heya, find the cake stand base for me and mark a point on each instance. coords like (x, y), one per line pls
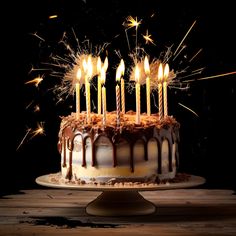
(118, 200)
(120, 203)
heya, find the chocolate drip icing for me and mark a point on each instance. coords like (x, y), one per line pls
(70, 129)
(64, 152)
(70, 146)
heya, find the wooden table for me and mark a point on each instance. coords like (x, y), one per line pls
(62, 212)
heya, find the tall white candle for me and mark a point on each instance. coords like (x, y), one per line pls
(166, 74)
(99, 87)
(137, 88)
(105, 66)
(88, 96)
(160, 78)
(118, 75)
(122, 85)
(118, 105)
(104, 109)
(147, 71)
(77, 92)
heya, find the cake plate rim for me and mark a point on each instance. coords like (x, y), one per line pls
(194, 181)
(119, 200)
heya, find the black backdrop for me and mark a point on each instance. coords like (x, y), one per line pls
(207, 141)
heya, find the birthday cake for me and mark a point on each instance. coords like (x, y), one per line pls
(93, 153)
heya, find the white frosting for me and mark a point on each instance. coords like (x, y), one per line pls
(104, 169)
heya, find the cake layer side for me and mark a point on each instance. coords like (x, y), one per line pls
(139, 153)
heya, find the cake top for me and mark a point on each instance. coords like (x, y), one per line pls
(127, 122)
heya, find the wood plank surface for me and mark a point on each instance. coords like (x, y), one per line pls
(62, 212)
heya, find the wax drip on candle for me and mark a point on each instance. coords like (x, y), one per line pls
(137, 88)
(77, 92)
(160, 78)
(147, 71)
(165, 78)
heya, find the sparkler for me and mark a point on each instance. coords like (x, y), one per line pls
(130, 23)
(66, 67)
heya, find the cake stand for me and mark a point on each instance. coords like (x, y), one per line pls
(120, 200)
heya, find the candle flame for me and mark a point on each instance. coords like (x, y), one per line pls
(146, 66)
(137, 74)
(35, 81)
(166, 72)
(160, 73)
(118, 73)
(103, 76)
(78, 75)
(122, 67)
(85, 65)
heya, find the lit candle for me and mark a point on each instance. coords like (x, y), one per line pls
(105, 66)
(147, 71)
(166, 74)
(160, 78)
(88, 77)
(118, 75)
(77, 92)
(137, 88)
(122, 68)
(103, 79)
(99, 64)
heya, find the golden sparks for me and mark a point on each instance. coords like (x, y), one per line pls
(38, 130)
(148, 38)
(184, 37)
(131, 22)
(35, 81)
(52, 16)
(188, 109)
(211, 77)
(25, 136)
(36, 108)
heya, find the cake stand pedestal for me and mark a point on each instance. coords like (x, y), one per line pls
(120, 203)
(119, 200)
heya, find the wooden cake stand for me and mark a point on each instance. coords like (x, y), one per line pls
(120, 200)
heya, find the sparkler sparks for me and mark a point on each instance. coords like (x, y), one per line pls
(131, 22)
(148, 38)
(52, 16)
(65, 67)
(35, 81)
(32, 133)
(188, 109)
(39, 130)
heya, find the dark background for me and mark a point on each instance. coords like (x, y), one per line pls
(207, 145)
